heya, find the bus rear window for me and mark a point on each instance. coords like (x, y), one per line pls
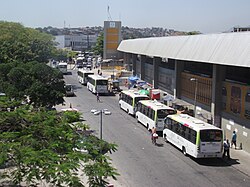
(140, 98)
(211, 135)
(164, 113)
(102, 82)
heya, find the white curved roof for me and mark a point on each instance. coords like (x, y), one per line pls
(224, 48)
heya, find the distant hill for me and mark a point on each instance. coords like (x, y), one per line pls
(127, 32)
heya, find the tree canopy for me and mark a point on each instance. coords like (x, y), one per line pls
(41, 145)
(98, 48)
(41, 84)
(19, 43)
(48, 146)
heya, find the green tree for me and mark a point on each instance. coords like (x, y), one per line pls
(98, 48)
(60, 55)
(193, 32)
(47, 87)
(24, 44)
(42, 84)
(45, 146)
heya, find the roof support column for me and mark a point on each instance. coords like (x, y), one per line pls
(134, 64)
(127, 61)
(156, 62)
(125, 58)
(179, 67)
(219, 73)
(143, 60)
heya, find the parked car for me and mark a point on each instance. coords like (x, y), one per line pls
(69, 90)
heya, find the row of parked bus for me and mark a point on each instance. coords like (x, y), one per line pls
(94, 83)
(97, 83)
(193, 136)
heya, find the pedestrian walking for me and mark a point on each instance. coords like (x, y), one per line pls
(97, 97)
(226, 146)
(234, 138)
(154, 135)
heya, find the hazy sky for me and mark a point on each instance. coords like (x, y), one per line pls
(207, 16)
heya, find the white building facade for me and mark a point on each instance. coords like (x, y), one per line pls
(80, 42)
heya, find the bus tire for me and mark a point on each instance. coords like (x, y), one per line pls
(165, 138)
(137, 119)
(184, 151)
(128, 111)
(148, 127)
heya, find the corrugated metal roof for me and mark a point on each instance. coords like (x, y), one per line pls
(224, 48)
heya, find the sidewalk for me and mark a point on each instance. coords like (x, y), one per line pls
(240, 160)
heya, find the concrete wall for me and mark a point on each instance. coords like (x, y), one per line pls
(230, 123)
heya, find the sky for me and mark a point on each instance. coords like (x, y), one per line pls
(206, 16)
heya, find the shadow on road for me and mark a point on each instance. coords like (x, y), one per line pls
(159, 144)
(215, 161)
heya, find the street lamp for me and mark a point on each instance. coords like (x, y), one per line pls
(97, 112)
(195, 94)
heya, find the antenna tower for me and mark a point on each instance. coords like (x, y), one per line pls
(109, 15)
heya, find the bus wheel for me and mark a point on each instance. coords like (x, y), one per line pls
(128, 111)
(137, 119)
(148, 127)
(165, 138)
(184, 151)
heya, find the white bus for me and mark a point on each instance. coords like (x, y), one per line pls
(79, 61)
(152, 113)
(97, 83)
(129, 99)
(82, 75)
(62, 66)
(193, 136)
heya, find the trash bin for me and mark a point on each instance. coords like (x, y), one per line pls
(155, 94)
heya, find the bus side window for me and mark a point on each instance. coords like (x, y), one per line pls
(180, 129)
(170, 126)
(138, 106)
(150, 113)
(168, 123)
(193, 136)
(183, 131)
(153, 114)
(188, 134)
(129, 99)
(175, 127)
(126, 98)
(143, 109)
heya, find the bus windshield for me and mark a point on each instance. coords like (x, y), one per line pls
(211, 135)
(164, 112)
(62, 66)
(102, 82)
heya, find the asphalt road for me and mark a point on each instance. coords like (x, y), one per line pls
(139, 162)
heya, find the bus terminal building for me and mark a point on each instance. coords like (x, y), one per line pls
(210, 71)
